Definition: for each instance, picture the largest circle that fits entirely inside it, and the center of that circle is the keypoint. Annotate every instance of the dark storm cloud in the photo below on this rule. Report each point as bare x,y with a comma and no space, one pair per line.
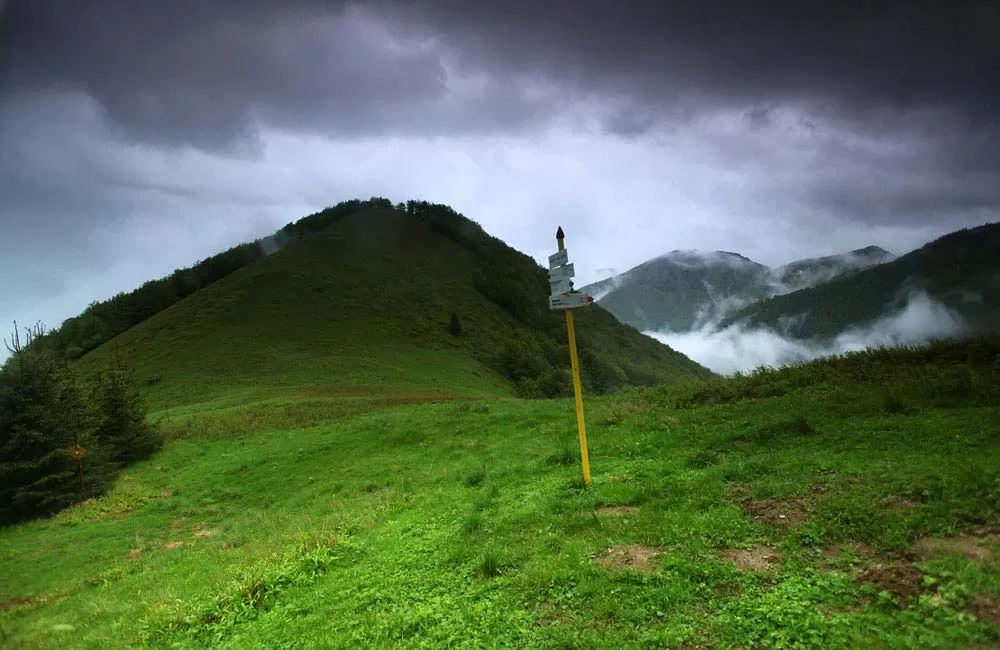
852,56
200,71
916,82
205,73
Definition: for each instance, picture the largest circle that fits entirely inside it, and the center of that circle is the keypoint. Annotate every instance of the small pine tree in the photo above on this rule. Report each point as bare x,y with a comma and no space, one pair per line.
122,429
454,325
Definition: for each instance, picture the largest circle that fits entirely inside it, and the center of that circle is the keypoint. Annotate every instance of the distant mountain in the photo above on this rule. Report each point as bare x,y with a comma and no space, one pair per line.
810,272
685,290
960,270
682,290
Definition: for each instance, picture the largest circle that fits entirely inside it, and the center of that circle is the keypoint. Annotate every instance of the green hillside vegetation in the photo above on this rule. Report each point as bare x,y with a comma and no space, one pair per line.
364,303
104,320
678,291
961,270
852,502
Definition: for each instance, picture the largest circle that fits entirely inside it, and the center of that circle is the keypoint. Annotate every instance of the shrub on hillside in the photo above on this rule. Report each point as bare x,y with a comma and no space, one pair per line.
122,429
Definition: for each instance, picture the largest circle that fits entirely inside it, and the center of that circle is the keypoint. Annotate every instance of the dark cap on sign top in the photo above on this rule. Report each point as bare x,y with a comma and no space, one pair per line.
559,233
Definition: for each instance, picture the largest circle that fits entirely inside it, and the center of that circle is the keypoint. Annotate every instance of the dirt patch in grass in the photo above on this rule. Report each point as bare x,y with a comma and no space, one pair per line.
172,545
986,609
11,603
903,581
776,512
758,558
900,502
972,546
205,533
550,614
834,551
628,556
782,512
616,511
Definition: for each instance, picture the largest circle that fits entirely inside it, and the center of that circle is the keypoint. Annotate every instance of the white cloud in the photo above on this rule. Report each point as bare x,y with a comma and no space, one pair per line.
735,349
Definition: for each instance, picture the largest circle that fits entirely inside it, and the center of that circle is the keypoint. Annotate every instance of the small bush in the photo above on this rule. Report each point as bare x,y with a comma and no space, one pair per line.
473,523
567,456
474,478
455,325
701,460
895,405
490,566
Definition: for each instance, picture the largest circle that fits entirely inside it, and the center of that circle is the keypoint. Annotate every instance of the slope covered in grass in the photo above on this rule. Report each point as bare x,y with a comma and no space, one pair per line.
842,504
367,302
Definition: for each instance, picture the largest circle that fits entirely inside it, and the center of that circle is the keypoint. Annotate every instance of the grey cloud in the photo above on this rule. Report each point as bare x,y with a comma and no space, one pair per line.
207,73
848,55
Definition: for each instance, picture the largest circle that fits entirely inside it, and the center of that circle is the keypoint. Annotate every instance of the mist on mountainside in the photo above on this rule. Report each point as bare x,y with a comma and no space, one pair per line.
687,290
738,349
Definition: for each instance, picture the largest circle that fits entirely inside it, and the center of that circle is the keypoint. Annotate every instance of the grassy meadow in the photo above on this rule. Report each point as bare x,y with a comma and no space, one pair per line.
842,504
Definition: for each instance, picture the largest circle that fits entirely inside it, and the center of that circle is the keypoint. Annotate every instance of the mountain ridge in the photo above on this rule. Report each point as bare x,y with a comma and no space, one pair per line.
684,290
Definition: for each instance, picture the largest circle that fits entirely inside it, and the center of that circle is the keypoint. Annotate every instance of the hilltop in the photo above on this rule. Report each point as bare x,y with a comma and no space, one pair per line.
361,300
810,272
961,271
683,289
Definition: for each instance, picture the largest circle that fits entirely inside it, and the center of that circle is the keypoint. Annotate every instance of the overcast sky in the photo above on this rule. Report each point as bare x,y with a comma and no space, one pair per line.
139,136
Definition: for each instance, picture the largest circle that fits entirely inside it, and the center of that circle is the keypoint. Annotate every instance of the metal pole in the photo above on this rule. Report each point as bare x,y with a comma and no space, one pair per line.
577,389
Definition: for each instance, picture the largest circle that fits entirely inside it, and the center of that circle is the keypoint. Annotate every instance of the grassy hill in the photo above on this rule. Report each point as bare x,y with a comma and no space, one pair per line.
364,305
680,290
853,502
961,270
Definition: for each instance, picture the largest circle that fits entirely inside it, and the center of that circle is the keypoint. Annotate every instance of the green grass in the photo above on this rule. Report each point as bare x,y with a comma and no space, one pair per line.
368,522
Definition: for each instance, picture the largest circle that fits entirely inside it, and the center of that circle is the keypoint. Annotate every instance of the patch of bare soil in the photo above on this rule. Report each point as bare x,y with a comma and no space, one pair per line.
789,511
900,502
616,511
133,555
903,581
628,556
777,512
205,533
551,615
758,558
986,609
834,551
11,603
172,545
973,547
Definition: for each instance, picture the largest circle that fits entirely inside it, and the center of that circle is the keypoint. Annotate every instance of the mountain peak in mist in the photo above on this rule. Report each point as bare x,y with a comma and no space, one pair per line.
810,272
685,289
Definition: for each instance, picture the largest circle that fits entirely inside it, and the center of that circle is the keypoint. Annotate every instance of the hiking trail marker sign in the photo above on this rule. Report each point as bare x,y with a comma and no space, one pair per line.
562,296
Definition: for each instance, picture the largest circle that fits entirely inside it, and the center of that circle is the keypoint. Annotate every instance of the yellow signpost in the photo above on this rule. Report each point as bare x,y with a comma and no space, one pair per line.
563,297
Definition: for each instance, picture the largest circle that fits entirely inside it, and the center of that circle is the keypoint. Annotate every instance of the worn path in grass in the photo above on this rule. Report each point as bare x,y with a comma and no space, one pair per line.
815,518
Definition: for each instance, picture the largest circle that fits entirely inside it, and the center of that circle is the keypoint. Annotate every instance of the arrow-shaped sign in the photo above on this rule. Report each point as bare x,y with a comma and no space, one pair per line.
558,259
566,271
